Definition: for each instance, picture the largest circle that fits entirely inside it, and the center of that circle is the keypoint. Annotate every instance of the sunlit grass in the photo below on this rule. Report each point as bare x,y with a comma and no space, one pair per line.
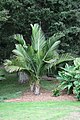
37,110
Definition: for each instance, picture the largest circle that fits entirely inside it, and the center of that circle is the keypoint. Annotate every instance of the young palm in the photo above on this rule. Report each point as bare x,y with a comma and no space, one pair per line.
38,57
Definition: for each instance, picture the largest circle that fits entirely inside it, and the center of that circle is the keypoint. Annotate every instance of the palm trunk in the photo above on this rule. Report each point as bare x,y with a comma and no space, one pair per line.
32,87
35,85
37,88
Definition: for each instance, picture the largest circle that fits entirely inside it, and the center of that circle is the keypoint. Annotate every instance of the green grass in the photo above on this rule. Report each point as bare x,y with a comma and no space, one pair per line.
37,110
11,88
49,85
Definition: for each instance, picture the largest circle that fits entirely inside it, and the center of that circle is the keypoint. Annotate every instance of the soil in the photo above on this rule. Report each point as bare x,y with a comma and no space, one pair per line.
44,96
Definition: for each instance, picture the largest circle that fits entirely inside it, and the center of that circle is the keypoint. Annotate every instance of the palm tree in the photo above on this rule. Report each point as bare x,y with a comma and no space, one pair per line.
37,58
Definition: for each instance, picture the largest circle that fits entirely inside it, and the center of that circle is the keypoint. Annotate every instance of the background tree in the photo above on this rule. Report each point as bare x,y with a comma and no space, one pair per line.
52,15
3,18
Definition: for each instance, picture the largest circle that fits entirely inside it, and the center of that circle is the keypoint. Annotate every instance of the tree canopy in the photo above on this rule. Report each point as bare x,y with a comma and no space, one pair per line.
53,16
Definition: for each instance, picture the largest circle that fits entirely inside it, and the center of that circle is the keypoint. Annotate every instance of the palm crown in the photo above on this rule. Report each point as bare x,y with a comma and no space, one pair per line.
38,57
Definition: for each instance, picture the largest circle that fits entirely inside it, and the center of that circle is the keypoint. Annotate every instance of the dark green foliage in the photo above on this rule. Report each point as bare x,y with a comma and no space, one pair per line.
52,15
70,78
3,15
77,89
67,78
56,92
2,75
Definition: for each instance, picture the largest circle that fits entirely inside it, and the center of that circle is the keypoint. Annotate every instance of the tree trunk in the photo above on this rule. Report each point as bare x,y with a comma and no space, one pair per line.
37,88
23,77
32,87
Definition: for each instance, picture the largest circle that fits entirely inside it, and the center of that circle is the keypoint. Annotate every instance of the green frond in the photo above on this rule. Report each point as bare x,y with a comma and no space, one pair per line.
51,49
40,56
17,64
20,39
12,65
77,62
38,38
12,68
59,59
63,58
18,53
54,38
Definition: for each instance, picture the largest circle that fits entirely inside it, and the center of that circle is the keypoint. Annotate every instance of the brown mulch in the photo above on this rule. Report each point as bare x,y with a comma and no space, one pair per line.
44,96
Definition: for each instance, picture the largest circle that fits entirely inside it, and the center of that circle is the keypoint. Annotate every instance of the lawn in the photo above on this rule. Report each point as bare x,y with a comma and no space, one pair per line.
11,88
56,110
38,110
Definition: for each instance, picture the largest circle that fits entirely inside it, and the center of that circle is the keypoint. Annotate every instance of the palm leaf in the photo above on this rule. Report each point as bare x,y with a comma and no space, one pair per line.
59,59
77,62
20,51
20,39
38,38
51,49
41,55
63,58
54,38
17,64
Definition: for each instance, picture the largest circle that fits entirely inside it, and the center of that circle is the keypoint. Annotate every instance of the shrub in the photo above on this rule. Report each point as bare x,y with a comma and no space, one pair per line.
66,77
77,89
70,78
56,92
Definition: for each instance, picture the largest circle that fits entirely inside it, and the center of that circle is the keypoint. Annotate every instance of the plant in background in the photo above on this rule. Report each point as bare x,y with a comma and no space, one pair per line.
66,77
77,89
77,77
56,92
70,78
53,16
37,58
4,15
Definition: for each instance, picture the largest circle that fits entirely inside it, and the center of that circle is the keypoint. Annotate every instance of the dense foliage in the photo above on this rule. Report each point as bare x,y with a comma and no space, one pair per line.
70,78
52,15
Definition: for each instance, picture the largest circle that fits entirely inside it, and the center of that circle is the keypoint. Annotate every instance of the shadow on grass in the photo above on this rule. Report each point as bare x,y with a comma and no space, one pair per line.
11,88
